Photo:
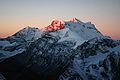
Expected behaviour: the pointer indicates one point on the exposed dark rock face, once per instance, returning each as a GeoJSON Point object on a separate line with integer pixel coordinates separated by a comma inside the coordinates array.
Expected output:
{"type": "Point", "coordinates": [91, 47]}
{"type": "Point", "coordinates": [94, 61]}
{"type": "Point", "coordinates": [44, 59]}
{"type": "Point", "coordinates": [47, 59]}
{"type": "Point", "coordinates": [2, 77]}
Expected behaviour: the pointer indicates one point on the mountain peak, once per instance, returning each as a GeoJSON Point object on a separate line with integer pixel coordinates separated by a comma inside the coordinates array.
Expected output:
{"type": "Point", "coordinates": [55, 25]}
{"type": "Point", "coordinates": [28, 28]}
{"type": "Point", "coordinates": [73, 20]}
{"type": "Point", "coordinates": [26, 34]}
{"type": "Point", "coordinates": [76, 20]}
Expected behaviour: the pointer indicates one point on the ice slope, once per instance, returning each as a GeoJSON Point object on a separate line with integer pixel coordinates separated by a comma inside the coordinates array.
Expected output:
{"type": "Point", "coordinates": [85, 30]}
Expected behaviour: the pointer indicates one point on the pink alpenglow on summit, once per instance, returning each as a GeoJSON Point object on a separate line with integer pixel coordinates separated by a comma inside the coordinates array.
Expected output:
{"type": "Point", "coordinates": [58, 24]}
{"type": "Point", "coordinates": [55, 25]}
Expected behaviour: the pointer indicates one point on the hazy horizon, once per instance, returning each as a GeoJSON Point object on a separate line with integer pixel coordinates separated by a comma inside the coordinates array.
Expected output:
{"type": "Point", "coordinates": [17, 14]}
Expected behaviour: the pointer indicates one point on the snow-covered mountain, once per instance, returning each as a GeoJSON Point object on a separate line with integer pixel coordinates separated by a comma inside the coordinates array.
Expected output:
{"type": "Point", "coordinates": [75, 31]}
{"type": "Point", "coordinates": [18, 42]}
{"type": "Point", "coordinates": [64, 50]}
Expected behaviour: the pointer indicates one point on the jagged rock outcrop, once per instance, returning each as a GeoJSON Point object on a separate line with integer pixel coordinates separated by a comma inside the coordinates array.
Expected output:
{"type": "Point", "coordinates": [95, 60]}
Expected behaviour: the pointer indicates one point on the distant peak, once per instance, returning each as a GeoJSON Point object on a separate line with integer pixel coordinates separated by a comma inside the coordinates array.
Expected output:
{"type": "Point", "coordinates": [76, 20]}
{"type": "Point", "coordinates": [26, 30]}
{"type": "Point", "coordinates": [29, 28]}
{"type": "Point", "coordinates": [73, 20]}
